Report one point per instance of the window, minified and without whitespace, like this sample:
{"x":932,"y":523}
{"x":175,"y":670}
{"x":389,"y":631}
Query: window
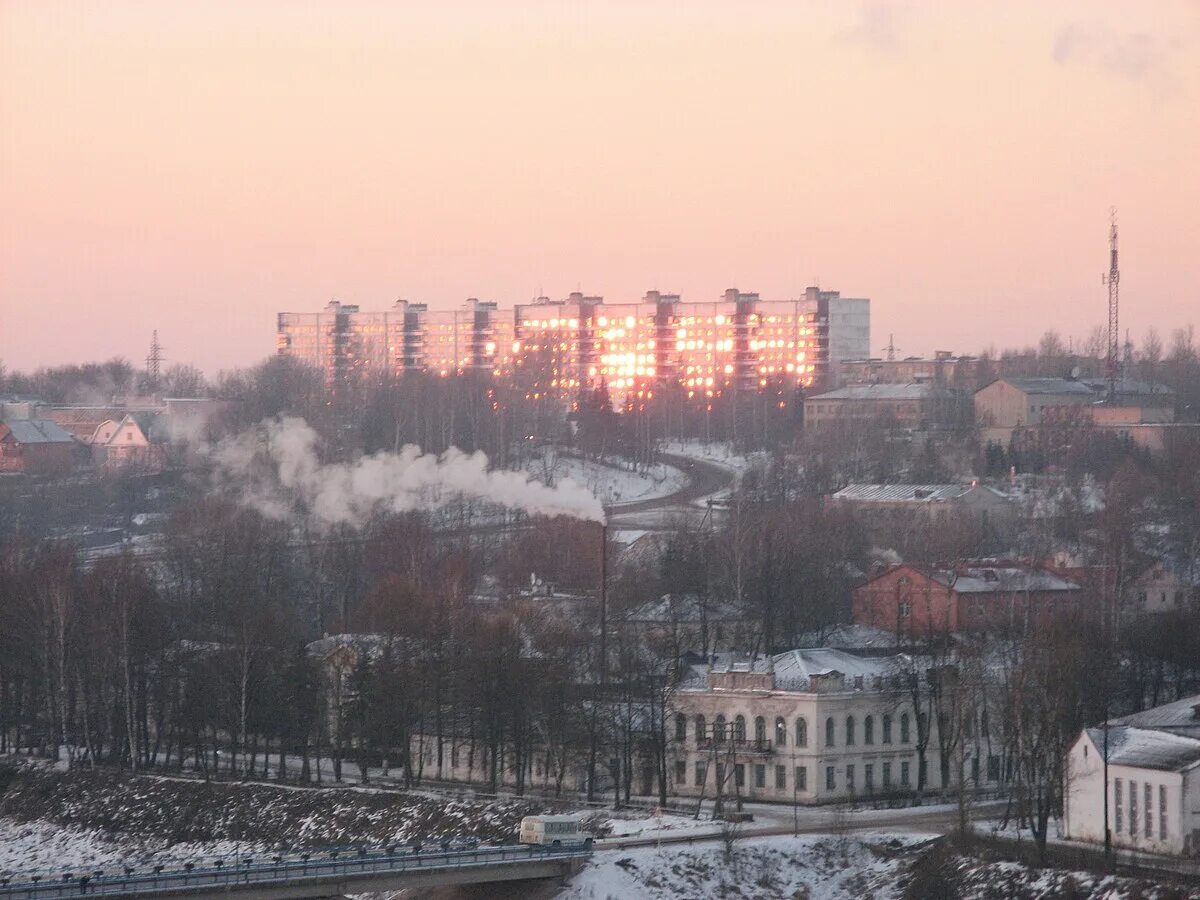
{"x":760,"y":776}
{"x":1133,"y":817}
{"x":904,"y":736}
{"x":905,"y":779}
{"x":905,"y":609}
{"x":869,"y":777}
{"x":801,"y":778}
{"x":994,"y":767}
{"x":780,"y":732}
{"x":983,"y":724}
{"x":719,"y":729}
{"x":721,"y":777}
{"x":849,"y":731}
{"x":869,"y":730}
{"x":680,"y":727}
{"x":830,"y":779}
{"x":780,"y":778}
{"x":1162,"y":812}
{"x":850,"y":778}
{"x":887,"y":775}
{"x":887,"y":729}
{"x":739,"y":728}
{"x":802,"y":732}
{"x":760,"y":730}
{"x":681,"y":771}
{"x":829,"y":732}
{"x":701,"y":774}
{"x":700,"y":729}
{"x":454,"y":758}
{"x":739,"y":774}
{"x":1149,"y":798}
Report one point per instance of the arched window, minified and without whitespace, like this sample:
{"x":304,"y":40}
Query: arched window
{"x":739,"y":728}
{"x":780,"y":732}
{"x":680,"y":727}
{"x":760,"y":730}
{"x":701,"y":728}
{"x":887,"y":729}
{"x":904,"y":728}
{"x":802,"y":732}
{"x":719,"y":729}
{"x":869,"y":730}
{"x":849,"y":731}
{"x":829,"y":732}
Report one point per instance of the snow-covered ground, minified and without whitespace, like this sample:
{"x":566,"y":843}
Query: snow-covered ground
{"x":37,"y":847}
{"x":819,"y":867}
{"x":609,"y":481}
{"x":630,"y":824}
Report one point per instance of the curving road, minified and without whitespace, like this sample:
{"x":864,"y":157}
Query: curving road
{"x":704,"y":479}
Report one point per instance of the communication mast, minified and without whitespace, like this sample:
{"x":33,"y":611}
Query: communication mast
{"x":154,"y":360}
{"x":1112,"y":362}
{"x":891,"y":347}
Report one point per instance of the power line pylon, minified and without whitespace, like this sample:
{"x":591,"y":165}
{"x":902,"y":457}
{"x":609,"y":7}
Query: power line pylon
{"x":154,"y":360}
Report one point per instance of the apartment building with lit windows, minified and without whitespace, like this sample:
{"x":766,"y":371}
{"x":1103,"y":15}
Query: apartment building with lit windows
{"x":558,"y":347}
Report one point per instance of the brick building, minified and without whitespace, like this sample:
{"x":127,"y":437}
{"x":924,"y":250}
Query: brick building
{"x":978,"y":595}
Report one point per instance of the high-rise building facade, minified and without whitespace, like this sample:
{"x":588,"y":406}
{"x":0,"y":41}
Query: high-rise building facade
{"x":560,"y":347}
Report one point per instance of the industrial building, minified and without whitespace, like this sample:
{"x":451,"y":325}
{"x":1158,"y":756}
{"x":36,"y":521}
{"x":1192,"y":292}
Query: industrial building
{"x":908,"y":405}
{"x":1008,"y":406}
{"x":558,"y":347}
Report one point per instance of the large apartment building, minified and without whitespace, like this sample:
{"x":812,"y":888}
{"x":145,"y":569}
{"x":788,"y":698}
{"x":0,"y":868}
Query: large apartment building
{"x":736,"y":342}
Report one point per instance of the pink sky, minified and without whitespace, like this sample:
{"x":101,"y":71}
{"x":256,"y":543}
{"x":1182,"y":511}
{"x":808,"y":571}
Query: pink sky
{"x":197,"y":167}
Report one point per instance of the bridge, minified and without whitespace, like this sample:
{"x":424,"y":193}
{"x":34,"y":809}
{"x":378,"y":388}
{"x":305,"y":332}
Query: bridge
{"x":330,"y":874}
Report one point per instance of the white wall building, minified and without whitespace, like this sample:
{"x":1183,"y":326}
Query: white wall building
{"x":1153,"y":781}
{"x":806,"y":725}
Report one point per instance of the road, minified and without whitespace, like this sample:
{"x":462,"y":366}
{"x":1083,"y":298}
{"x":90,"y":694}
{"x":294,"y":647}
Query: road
{"x":704,"y":479}
{"x":778,"y":820}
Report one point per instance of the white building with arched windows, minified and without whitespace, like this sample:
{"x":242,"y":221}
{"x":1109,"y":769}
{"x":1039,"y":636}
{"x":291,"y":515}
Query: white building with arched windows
{"x":809,"y":726}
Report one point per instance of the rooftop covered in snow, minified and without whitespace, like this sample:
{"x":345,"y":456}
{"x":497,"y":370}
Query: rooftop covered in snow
{"x":1147,"y":748}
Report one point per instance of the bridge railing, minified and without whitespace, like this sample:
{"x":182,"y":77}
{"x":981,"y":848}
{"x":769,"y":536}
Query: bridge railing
{"x":281,"y":870}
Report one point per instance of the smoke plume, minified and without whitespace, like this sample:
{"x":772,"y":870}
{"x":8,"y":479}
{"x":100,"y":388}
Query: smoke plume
{"x":277,"y":470}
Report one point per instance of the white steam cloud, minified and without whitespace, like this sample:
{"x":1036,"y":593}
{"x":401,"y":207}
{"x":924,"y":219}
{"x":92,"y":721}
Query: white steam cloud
{"x":277,"y":469}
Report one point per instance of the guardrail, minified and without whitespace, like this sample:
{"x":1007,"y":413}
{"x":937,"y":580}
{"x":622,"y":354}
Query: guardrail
{"x":281,"y":870}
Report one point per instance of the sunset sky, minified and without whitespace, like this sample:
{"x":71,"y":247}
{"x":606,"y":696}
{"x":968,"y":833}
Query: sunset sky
{"x":196,"y":167}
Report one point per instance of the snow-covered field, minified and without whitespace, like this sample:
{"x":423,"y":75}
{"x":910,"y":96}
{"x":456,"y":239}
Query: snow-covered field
{"x":817,"y":867}
{"x":611,"y":482}
{"x":629,"y":824}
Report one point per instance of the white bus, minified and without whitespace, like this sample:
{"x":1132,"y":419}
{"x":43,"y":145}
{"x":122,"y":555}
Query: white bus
{"x":553,"y":831}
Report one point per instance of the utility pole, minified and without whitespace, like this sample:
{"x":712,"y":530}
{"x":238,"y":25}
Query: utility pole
{"x":1112,"y":361}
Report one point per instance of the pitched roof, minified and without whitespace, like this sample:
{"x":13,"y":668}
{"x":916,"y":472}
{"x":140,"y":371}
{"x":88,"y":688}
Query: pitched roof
{"x":1001,"y":578}
{"x":879,"y":392}
{"x":37,"y":431}
{"x":1146,"y":748}
{"x":1181,"y":717}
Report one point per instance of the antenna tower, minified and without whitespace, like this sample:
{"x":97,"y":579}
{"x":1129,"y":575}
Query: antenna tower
{"x":154,"y":360}
{"x":891,"y":347}
{"x":1112,"y":362}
